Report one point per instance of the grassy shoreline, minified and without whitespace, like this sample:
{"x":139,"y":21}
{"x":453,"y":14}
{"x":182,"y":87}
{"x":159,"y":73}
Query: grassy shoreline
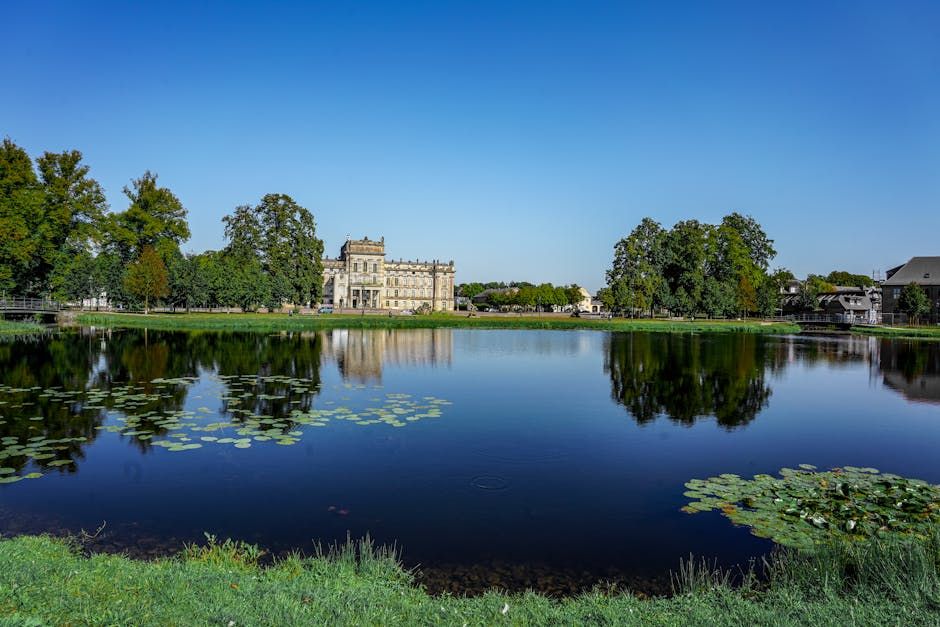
{"x":283,"y":322}
{"x":8,"y":327}
{"x":900,"y":332}
{"x":45,"y":580}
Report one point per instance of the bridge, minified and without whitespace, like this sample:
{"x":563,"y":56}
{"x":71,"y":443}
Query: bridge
{"x":27,"y":306}
{"x":821,"y":320}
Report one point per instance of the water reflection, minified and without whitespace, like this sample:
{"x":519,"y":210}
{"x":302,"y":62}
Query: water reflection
{"x":689,"y":377}
{"x":911,"y":368}
{"x":362,"y":353}
{"x":57,"y":393}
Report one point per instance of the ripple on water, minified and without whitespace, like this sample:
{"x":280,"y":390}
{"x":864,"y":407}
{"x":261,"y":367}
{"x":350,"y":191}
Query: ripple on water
{"x":489,"y":482}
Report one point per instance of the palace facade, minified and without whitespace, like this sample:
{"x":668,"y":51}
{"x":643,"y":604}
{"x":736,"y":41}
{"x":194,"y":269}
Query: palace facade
{"x":361,"y":278}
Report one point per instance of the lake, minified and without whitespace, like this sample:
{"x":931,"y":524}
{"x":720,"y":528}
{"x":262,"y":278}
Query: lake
{"x":546,"y":459}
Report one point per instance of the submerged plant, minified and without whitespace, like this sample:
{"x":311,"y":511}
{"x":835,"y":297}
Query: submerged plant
{"x":804,"y":507}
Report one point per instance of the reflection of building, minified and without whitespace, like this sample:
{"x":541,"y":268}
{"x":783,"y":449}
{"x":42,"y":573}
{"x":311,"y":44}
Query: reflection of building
{"x":361,"y":353}
{"x":361,"y":278}
{"x":912,"y":369}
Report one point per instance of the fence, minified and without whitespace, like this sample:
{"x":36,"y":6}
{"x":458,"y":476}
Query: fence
{"x":26,"y":305}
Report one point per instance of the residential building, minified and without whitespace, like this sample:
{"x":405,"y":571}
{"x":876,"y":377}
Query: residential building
{"x":585,"y":303}
{"x":362,"y":278}
{"x":925,"y":272}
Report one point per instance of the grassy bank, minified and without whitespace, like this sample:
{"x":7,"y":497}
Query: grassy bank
{"x":45,"y":581}
{"x":281,"y":322}
{"x":900,"y":332}
{"x":8,"y":327}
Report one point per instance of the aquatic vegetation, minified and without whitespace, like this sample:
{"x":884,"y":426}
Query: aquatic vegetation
{"x":805,"y":507}
{"x":255,"y":409}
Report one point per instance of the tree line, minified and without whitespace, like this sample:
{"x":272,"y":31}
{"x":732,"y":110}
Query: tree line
{"x":59,"y":239}
{"x":523,"y":295}
{"x":715,"y":270}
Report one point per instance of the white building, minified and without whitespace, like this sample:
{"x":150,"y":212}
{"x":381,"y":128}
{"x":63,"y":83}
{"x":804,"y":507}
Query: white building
{"x":361,"y":278}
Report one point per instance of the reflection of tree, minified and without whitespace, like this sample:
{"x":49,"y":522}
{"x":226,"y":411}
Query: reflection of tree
{"x":127,"y":363}
{"x":62,"y":362}
{"x":291,"y":356}
{"x":912,"y":368}
{"x":689,"y":377}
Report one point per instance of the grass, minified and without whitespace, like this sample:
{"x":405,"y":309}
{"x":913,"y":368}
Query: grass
{"x":49,"y":581}
{"x":282,"y":322}
{"x":900,"y":332}
{"x":8,"y":327}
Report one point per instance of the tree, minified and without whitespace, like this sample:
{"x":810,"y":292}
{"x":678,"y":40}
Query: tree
{"x":147,"y":278}
{"x":154,"y":218}
{"x":760,"y":248}
{"x":684,"y":270}
{"x":573,"y":295}
{"x":812,"y":287}
{"x":914,"y":302}
{"x":636,"y":278}
{"x":281,"y":235}
{"x":21,"y":201}
{"x":74,"y":279}
{"x":841,"y":277}
{"x":73,"y":212}
{"x":292,"y":253}
{"x":108,"y":276}
{"x":469,"y":290}
{"x":771,"y":291}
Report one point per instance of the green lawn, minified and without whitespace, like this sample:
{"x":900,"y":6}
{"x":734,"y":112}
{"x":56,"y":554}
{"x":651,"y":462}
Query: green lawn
{"x":900,"y":332}
{"x":278,"y":322}
{"x":8,"y":327}
{"x":45,"y":581}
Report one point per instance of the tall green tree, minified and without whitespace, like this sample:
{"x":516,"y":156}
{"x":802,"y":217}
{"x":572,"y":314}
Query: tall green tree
{"x":280,"y":235}
{"x":760,"y":247}
{"x":147,"y":278}
{"x":73,"y":212}
{"x":155,"y":217}
{"x":21,"y":203}
{"x":636,"y":279}
{"x":684,"y":270}
{"x":292,"y":253}
{"x":914,"y":302}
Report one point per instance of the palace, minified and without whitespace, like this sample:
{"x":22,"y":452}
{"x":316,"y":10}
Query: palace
{"x":361,"y":278}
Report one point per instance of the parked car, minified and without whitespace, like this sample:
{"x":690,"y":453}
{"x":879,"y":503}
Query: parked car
{"x":326,"y":309}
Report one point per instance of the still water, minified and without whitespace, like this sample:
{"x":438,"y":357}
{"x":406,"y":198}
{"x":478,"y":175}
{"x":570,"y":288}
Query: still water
{"x":552,"y":459}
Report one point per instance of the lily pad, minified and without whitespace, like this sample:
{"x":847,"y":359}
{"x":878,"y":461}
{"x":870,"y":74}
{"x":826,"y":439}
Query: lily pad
{"x":804,"y":506}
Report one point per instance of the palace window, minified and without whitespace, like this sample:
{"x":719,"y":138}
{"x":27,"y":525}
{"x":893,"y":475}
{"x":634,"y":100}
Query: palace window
{"x":355,"y":266}
{"x":375,"y":267}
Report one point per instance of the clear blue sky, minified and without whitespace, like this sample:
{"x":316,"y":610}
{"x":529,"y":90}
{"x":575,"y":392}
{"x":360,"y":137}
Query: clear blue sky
{"x":521,"y":139}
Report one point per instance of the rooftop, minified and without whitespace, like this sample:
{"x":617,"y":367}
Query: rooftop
{"x":920,"y":270}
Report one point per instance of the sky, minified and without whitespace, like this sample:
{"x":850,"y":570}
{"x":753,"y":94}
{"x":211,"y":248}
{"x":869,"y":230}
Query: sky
{"x":520,"y":139}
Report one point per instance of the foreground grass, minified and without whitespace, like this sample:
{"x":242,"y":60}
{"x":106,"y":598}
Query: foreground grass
{"x":900,"y":332}
{"x":46,"y":581}
{"x":8,"y":327}
{"x":282,"y":322}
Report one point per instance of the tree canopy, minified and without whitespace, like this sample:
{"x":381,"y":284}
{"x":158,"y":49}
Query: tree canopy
{"x":694,"y":268}
{"x":58,"y":238}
